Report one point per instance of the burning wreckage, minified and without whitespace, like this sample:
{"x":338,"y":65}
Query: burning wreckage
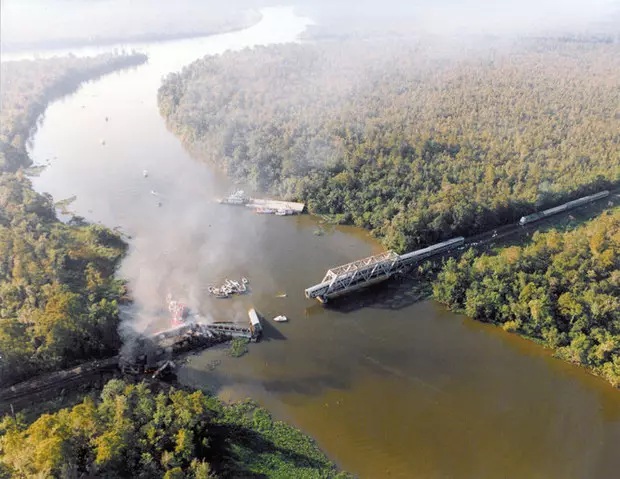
{"x":154,"y":354}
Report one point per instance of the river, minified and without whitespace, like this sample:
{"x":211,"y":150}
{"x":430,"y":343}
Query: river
{"x":388,"y":385}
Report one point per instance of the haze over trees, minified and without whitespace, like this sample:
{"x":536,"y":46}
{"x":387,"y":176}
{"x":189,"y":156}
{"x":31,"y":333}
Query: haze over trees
{"x":45,"y":24}
{"x":27,"y":86}
{"x":415,"y":141}
{"x":563,"y":290}
{"x":59,"y":300}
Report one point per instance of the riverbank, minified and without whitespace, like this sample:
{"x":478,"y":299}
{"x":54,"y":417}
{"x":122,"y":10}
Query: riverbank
{"x":388,"y":385}
{"x":47,"y":81}
{"x":560,"y":290}
{"x":119,"y":432}
{"x":244,"y":440}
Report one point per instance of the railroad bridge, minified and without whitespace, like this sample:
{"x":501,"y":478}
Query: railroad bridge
{"x":374,"y":269}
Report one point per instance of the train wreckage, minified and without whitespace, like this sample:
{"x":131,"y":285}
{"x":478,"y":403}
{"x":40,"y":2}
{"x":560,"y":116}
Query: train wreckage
{"x":147,"y":355}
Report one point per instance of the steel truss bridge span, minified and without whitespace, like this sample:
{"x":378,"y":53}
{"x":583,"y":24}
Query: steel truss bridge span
{"x":374,"y":269}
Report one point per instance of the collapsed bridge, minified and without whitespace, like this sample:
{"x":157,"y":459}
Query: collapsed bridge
{"x":374,"y":269}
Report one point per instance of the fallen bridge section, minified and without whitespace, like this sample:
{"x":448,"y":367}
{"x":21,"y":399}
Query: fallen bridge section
{"x":374,"y":269}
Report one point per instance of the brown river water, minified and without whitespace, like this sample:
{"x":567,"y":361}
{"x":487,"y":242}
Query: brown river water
{"x":389,"y":385}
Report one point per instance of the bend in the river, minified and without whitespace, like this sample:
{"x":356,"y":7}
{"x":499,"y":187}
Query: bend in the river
{"x":389,"y":388}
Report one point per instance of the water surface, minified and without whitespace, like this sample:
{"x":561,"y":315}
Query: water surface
{"x":390,"y":386}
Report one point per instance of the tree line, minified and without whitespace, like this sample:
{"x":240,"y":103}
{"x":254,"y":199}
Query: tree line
{"x":27,"y":86}
{"x":147,"y":431}
{"x":414,"y":141}
{"x":562,"y":290}
{"x":59,"y":299}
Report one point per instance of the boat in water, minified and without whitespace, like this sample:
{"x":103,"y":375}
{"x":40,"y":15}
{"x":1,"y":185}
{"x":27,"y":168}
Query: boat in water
{"x":284,"y":212}
{"x":145,"y":173}
{"x":264,"y":211}
{"x":280,"y":319}
{"x":236,"y":198}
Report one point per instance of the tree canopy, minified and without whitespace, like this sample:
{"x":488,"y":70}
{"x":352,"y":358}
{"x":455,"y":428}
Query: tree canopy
{"x":59,"y":300}
{"x":415,"y":141}
{"x":132,"y":430}
{"x":563,"y":290}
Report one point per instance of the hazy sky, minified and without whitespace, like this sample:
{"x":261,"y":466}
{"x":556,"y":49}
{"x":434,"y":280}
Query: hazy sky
{"x":38,"y":20}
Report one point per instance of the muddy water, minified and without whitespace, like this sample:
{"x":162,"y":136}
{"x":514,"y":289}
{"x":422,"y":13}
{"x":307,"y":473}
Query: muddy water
{"x":390,"y":386}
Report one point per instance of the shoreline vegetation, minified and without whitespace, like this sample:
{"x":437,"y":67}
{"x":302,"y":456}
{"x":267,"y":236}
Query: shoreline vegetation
{"x":560,"y":290}
{"x":154,"y":430}
{"x":415,"y":142}
{"x":59,"y":306}
{"x":59,"y":299}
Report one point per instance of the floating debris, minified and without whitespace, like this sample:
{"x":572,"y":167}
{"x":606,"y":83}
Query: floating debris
{"x":229,"y":288}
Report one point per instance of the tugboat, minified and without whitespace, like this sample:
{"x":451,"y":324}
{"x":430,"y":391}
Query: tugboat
{"x":236,"y":198}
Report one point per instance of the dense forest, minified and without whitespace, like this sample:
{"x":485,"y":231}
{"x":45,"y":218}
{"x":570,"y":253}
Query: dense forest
{"x":136,"y":431}
{"x":415,"y":141}
{"x":59,"y":300}
{"x":58,"y":296}
{"x":563,"y":290}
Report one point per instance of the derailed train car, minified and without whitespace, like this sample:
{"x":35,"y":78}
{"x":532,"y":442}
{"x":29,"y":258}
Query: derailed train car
{"x":559,"y":209}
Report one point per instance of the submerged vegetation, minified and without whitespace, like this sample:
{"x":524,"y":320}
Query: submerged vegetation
{"x":562,"y":290}
{"x":137,"y":431}
{"x":238,"y":347}
{"x":417,"y":142}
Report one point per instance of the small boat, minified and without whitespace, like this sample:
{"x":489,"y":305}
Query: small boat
{"x":145,"y":173}
{"x":264,"y":211}
{"x":159,"y":204}
{"x":102,"y":142}
{"x":154,"y":193}
{"x":280,"y":319}
{"x":281,"y":295}
{"x":284,"y":212}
